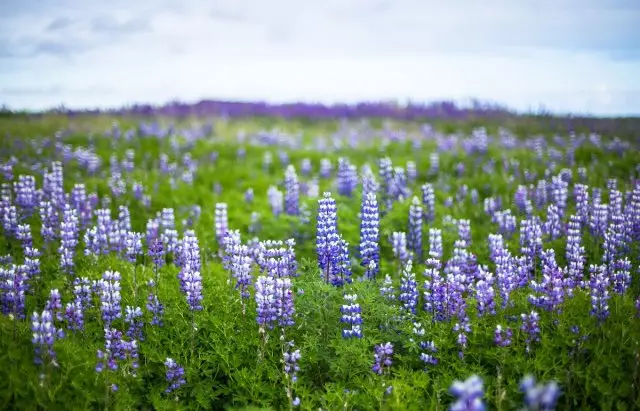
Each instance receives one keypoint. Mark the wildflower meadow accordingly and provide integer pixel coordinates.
(308, 258)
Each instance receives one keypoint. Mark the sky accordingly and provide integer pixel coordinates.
(566, 56)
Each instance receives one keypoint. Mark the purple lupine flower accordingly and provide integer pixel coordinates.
(249, 195)
(221, 222)
(502, 337)
(325, 168)
(468, 395)
(191, 284)
(415, 229)
(104, 227)
(399, 243)
(133, 317)
(632, 212)
(82, 292)
(387, 289)
(306, 167)
(174, 375)
(351, 317)
(581, 194)
(382, 358)
(25, 189)
(10, 220)
(276, 200)
(69, 229)
(464, 232)
(462, 328)
(115, 349)
(370, 235)
(156, 252)
(347, 177)
(285, 309)
(428, 358)
(435, 243)
(108, 289)
(599, 219)
(551, 289)
(23, 234)
(434, 290)
(45, 334)
(369, 182)
(240, 267)
(485, 294)
(265, 296)
(290, 359)
(153, 304)
(408, 288)
(531, 239)
(621, 275)
(74, 315)
(327, 238)
(81, 204)
(531, 329)
(132, 245)
(539, 397)
(553, 226)
(292, 187)
(575, 253)
(54, 304)
(31, 264)
(49, 219)
(506, 222)
(385, 167)
(599, 284)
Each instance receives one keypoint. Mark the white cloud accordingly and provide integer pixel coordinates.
(154, 51)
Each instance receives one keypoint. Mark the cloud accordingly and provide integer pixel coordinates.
(59, 23)
(110, 25)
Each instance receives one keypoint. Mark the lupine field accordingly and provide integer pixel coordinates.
(269, 263)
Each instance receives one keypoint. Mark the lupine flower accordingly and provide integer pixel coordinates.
(249, 195)
(133, 245)
(369, 182)
(347, 178)
(369, 235)
(468, 395)
(428, 359)
(408, 288)
(82, 291)
(276, 200)
(399, 243)
(551, 289)
(69, 229)
(108, 289)
(531, 329)
(45, 334)
(485, 293)
(74, 315)
(327, 238)
(49, 220)
(435, 243)
(25, 189)
(285, 309)
(599, 284)
(382, 358)
(54, 304)
(462, 328)
(539, 397)
(153, 304)
(133, 317)
(351, 317)
(502, 337)
(266, 310)
(292, 187)
(325, 168)
(290, 359)
(221, 221)
(156, 252)
(387, 290)
(174, 375)
(621, 276)
(415, 228)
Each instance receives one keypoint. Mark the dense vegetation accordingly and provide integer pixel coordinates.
(222, 234)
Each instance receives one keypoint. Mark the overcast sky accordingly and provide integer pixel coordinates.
(580, 56)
